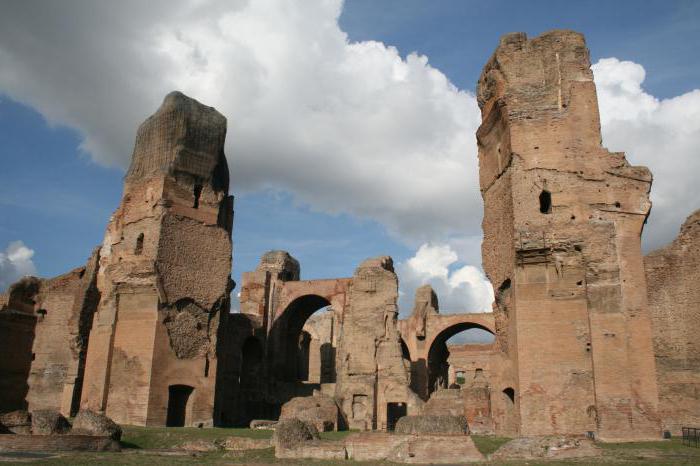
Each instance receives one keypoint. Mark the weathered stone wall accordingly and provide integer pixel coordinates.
(46, 323)
(424, 336)
(562, 224)
(322, 347)
(164, 275)
(53, 443)
(470, 358)
(673, 277)
(17, 322)
(240, 373)
(66, 307)
(370, 368)
(283, 308)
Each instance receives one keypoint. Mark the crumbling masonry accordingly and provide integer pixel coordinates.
(562, 225)
(591, 338)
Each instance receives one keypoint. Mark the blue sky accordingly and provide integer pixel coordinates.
(72, 94)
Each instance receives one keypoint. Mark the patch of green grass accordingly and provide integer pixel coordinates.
(153, 458)
(169, 437)
(487, 444)
(673, 444)
(155, 446)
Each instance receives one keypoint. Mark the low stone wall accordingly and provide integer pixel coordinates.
(318, 450)
(377, 446)
(20, 442)
(433, 449)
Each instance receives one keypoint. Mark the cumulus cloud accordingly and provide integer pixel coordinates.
(663, 134)
(345, 127)
(15, 263)
(460, 287)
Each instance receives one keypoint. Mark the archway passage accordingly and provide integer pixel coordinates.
(178, 397)
(460, 333)
(288, 345)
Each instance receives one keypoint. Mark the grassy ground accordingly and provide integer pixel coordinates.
(158, 446)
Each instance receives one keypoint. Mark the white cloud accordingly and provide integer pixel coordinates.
(15, 263)
(663, 134)
(345, 127)
(460, 288)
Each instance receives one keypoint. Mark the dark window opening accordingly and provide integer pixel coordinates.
(206, 367)
(405, 353)
(546, 202)
(197, 193)
(618, 205)
(139, 245)
(510, 393)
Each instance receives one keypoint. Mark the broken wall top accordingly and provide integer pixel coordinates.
(540, 111)
(535, 74)
(426, 301)
(183, 138)
(688, 237)
(281, 264)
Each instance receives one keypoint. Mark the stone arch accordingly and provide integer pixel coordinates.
(438, 353)
(283, 342)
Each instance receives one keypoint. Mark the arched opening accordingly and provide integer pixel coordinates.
(545, 202)
(509, 421)
(138, 249)
(178, 397)
(510, 395)
(462, 348)
(291, 349)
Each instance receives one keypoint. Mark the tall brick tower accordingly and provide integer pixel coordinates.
(562, 225)
(164, 274)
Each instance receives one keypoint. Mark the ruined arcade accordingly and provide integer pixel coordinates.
(591, 338)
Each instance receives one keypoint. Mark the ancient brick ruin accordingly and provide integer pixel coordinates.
(591, 337)
(562, 225)
(673, 275)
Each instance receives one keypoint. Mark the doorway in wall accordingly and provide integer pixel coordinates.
(178, 396)
(394, 411)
